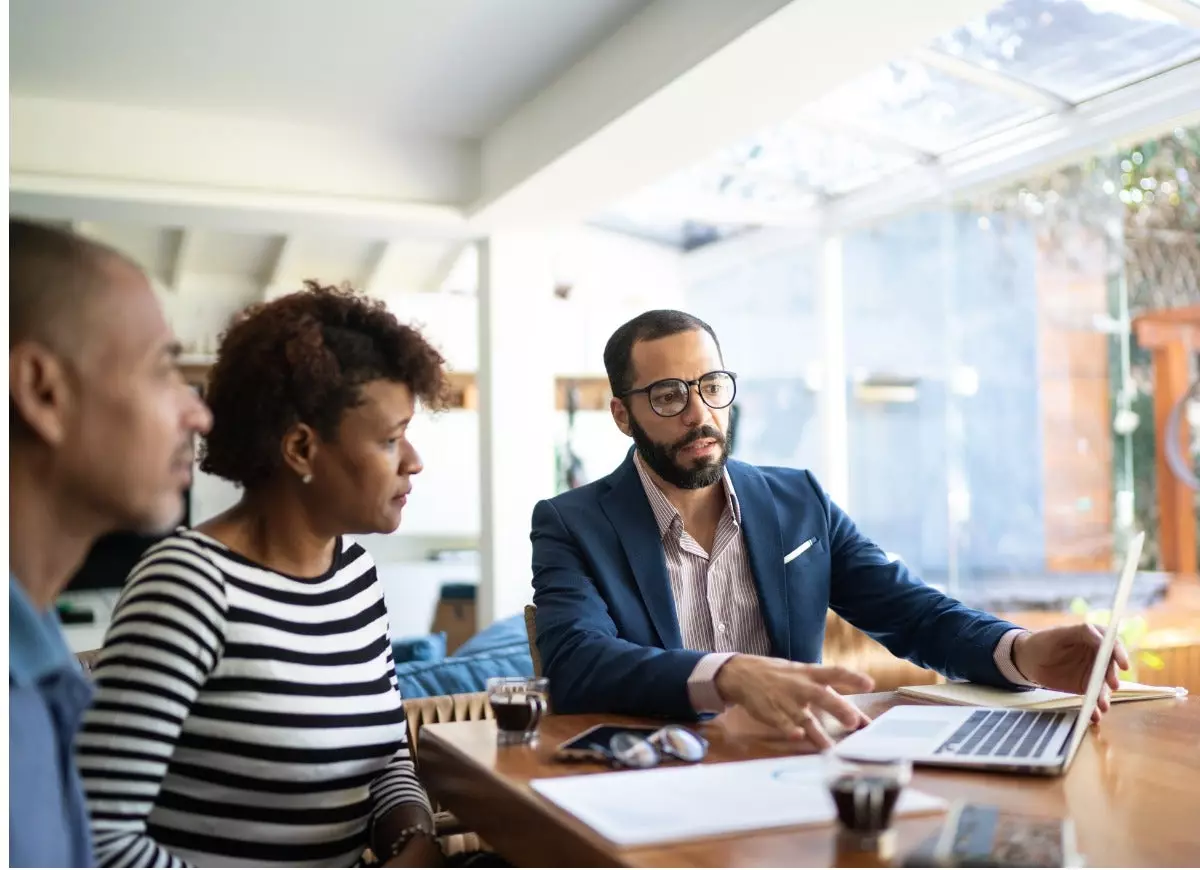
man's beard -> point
(661, 457)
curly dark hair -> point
(303, 358)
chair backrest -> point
(531, 631)
(466, 707)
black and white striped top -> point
(243, 716)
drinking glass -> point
(518, 703)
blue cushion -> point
(501, 634)
(500, 650)
(458, 674)
(427, 648)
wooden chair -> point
(845, 645)
(531, 633)
(466, 707)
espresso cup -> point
(865, 792)
(518, 704)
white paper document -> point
(639, 807)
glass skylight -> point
(1075, 48)
(1024, 60)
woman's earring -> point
(306, 479)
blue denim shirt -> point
(47, 696)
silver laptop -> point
(1001, 739)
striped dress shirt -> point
(716, 600)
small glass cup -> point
(518, 703)
(865, 792)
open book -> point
(975, 695)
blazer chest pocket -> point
(803, 553)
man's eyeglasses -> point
(674, 741)
(670, 396)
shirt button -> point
(721, 628)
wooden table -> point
(1133, 791)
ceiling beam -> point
(992, 80)
(678, 81)
(380, 263)
(717, 209)
(55, 197)
(182, 245)
(444, 266)
(1186, 13)
(278, 263)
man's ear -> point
(620, 415)
(39, 388)
(299, 447)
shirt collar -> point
(36, 647)
(665, 513)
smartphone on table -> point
(593, 744)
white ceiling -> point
(451, 68)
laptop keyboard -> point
(1002, 734)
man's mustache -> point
(698, 435)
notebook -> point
(975, 695)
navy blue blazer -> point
(608, 632)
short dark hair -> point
(303, 358)
(49, 271)
(618, 352)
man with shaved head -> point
(102, 425)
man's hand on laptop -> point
(1062, 658)
(789, 696)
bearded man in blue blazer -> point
(686, 582)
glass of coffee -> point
(865, 792)
(518, 704)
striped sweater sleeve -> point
(398, 784)
(166, 637)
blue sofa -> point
(424, 669)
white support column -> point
(835, 468)
(516, 415)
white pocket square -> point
(799, 551)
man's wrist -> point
(727, 678)
(702, 683)
(1010, 657)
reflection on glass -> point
(923, 107)
(788, 166)
(1075, 48)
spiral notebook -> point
(975, 695)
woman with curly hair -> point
(247, 711)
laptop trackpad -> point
(903, 732)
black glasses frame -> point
(687, 385)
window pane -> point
(787, 167)
(1075, 48)
(923, 107)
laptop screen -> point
(1104, 655)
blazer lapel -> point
(764, 546)
(627, 508)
